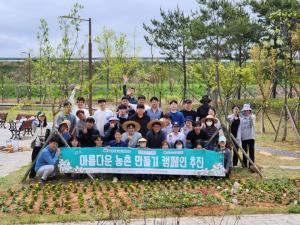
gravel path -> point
(259, 219)
(280, 152)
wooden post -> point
(278, 127)
(293, 122)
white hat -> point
(222, 138)
(113, 118)
(246, 107)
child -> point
(227, 155)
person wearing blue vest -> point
(176, 116)
(47, 161)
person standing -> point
(130, 110)
(66, 115)
(122, 115)
(188, 110)
(80, 124)
(101, 116)
(175, 115)
(80, 101)
(202, 110)
(41, 131)
(141, 118)
(247, 129)
(167, 124)
(154, 112)
(129, 92)
(235, 122)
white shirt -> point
(172, 138)
(133, 106)
(75, 109)
(101, 118)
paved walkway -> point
(260, 219)
(10, 162)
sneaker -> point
(43, 182)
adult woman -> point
(247, 131)
(210, 129)
(227, 154)
(175, 135)
(179, 144)
(41, 131)
(235, 122)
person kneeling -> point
(47, 161)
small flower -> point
(247, 190)
(234, 201)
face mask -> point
(143, 144)
(209, 123)
(179, 146)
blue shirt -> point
(177, 117)
(113, 143)
(47, 157)
(154, 115)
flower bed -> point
(105, 197)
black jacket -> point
(87, 140)
(142, 121)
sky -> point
(20, 19)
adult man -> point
(131, 136)
(202, 111)
(141, 118)
(188, 125)
(101, 116)
(167, 124)
(188, 110)
(194, 135)
(87, 136)
(110, 128)
(155, 136)
(122, 115)
(129, 92)
(154, 112)
(142, 101)
(130, 110)
(174, 114)
(80, 106)
(47, 161)
(80, 124)
(66, 115)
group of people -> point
(135, 124)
